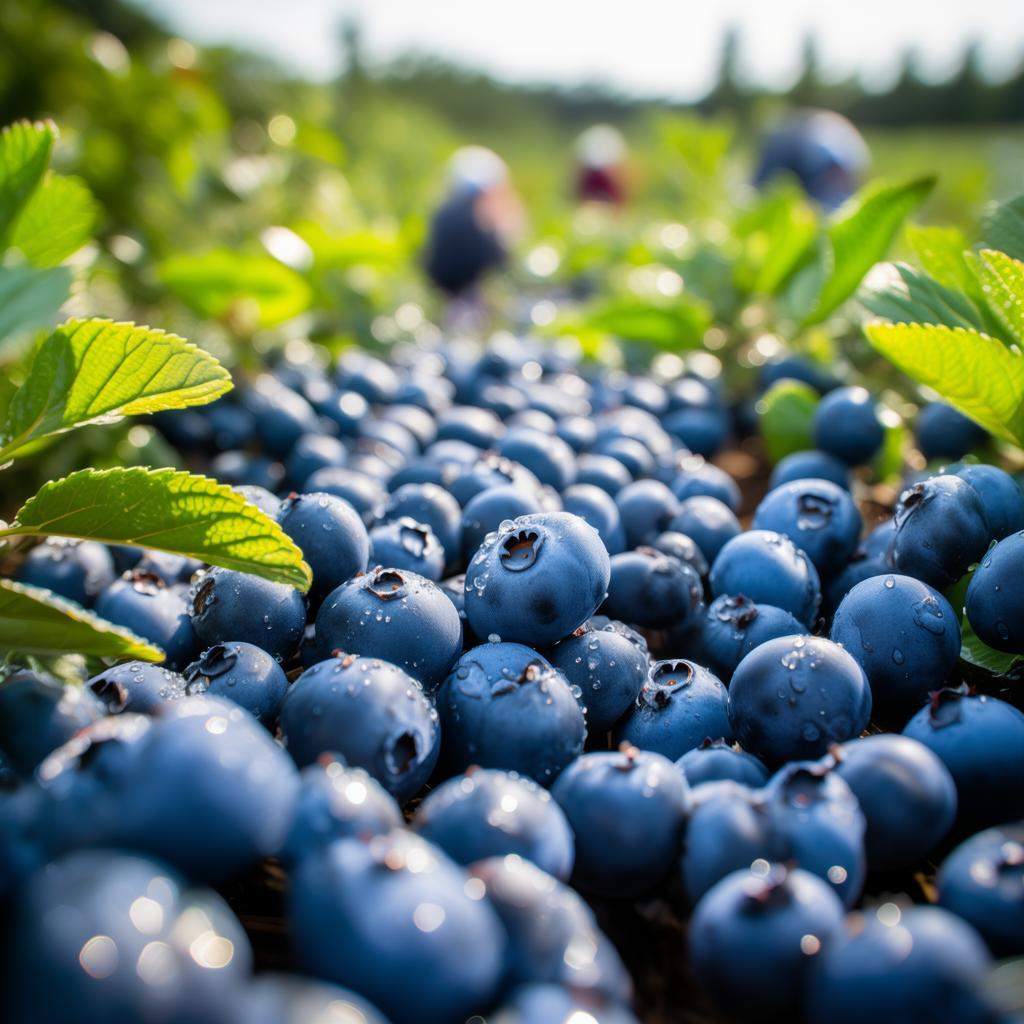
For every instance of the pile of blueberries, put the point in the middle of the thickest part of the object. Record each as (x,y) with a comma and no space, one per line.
(542,669)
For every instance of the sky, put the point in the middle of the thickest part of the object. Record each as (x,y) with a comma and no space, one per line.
(643,47)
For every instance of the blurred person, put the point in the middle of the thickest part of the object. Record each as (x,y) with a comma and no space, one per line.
(821,149)
(478,220)
(601,166)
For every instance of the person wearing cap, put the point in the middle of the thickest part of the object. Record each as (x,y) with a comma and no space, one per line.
(601,166)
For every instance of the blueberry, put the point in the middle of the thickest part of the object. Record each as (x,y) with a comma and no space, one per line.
(943,432)
(793,696)
(395,615)
(634,456)
(940,530)
(491,470)
(734,626)
(313,452)
(612,797)
(105,936)
(1002,500)
(754,937)
(702,431)
(904,634)
(241,673)
(360,911)
(393,435)
(38,714)
(336,801)
(234,810)
(847,425)
(679,707)
(345,409)
(810,465)
(78,570)
(478,427)
(368,711)
(818,516)
(902,964)
(768,568)
(419,422)
(362,492)
(548,926)
(906,793)
(684,548)
(331,535)
(609,668)
(231,426)
(504,706)
(486,511)
(282,416)
(995,605)
(241,608)
(408,546)
(860,568)
(488,813)
(549,458)
(170,568)
(649,588)
(427,503)
(240,469)
(602,471)
(537,579)
(646,508)
(144,604)
(136,687)
(599,509)
(801,368)
(710,523)
(700,478)
(982,881)
(366,375)
(981,741)
(577,431)
(291,999)
(552,1004)
(718,761)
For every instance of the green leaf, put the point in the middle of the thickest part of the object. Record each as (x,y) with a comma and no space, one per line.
(861,235)
(975,373)
(678,323)
(904,295)
(888,464)
(166,509)
(31,298)
(249,290)
(1003,227)
(58,220)
(786,413)
(941,252)
(24,156)
(1002,282)
(35,621)
(91,371)
(775,234)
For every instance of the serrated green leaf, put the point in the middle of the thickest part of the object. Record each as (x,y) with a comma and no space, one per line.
(248,289)
(786,413)
(860,236)
(972,649)
(166,509)
(35,621)
(24,156)
(1002,283)
(775,234)
(58,220)
(1003,227)
(90,371)
(977,374)
(941,252)
(31,298)
(902,294)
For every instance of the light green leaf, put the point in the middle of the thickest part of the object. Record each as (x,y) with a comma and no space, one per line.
(58,220)
(24,156)
(1002,282)
(35,621)
(975,373)
(678,323)
(889,463)
(166,509)
(31,298)
(904,295)
(90,371)
(786,413)
(1003,228)
(861,235)
(941,252)
(775,235)
(249,290)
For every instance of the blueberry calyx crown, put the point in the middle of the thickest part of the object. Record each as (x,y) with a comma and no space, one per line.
(387,584)
(768,892)
(214,661)
(804,786)
(944,707)
(814,511)
(627,759)
(666,677)
(737,609)
(403,751)
(144,581)
(415,537)
(520,550)
(113,694)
